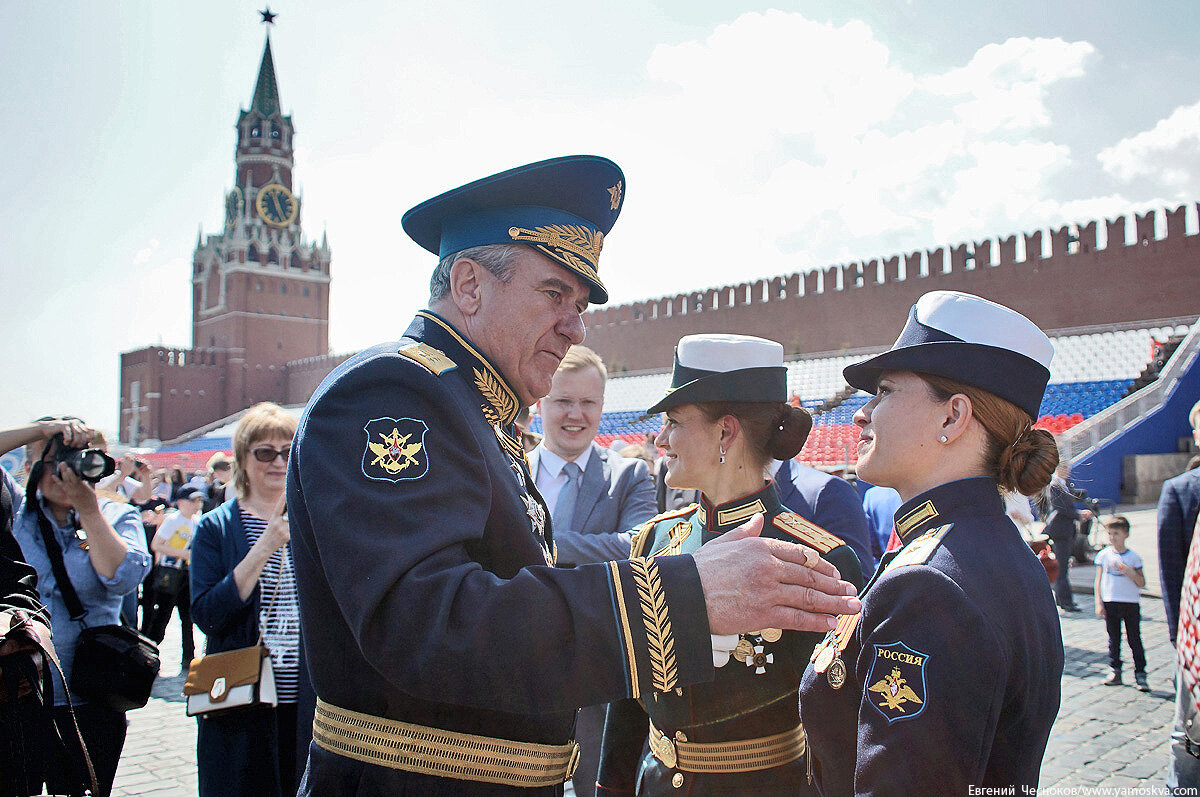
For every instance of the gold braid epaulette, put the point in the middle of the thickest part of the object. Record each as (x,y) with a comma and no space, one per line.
(636,547)
(434,360)
(808,533)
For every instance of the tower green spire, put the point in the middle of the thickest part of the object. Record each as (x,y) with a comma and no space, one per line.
(266,90)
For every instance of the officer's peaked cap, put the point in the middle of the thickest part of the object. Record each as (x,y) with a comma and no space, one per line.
(725,368)
(971,340)
(563,207)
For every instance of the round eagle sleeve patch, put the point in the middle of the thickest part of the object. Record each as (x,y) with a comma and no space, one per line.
(896,681)
(395,450)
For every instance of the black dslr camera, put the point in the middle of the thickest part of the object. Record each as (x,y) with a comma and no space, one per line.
(89,464)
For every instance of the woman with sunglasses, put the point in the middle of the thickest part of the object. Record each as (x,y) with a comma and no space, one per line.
(949,679)
(243,582)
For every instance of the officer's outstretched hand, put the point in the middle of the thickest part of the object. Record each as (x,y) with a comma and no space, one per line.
(751,583)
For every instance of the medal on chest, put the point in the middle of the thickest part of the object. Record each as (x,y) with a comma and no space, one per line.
(827,656)
(752,649)
(533,508)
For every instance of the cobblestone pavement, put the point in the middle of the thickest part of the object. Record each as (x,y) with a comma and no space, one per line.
(1104,737)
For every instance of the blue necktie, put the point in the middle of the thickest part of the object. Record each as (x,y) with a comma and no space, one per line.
(564,507)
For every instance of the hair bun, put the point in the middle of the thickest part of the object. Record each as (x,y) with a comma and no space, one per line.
(1029,463)
(791,432)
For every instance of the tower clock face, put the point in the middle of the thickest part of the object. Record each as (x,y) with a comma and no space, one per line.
(276,205)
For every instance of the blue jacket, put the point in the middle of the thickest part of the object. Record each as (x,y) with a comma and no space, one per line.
(1178,506)
(217,546)
(946,679)
(830,502)
(423,554)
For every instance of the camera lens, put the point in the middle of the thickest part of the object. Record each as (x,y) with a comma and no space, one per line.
(90,464)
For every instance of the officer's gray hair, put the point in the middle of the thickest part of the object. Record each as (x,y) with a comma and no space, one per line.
(498,259)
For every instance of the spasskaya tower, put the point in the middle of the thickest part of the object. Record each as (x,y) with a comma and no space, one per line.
(260,290)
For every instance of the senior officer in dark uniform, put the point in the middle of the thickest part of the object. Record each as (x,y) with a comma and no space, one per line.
(727,421)
(447,654)
(950,676)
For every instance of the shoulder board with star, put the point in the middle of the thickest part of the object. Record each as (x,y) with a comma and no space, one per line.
(433,360)
(808,533)
(647,529)
(920,550)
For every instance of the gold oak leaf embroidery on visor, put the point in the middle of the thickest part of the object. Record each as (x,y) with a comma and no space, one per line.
(500,404)
(658,624)
(572,242)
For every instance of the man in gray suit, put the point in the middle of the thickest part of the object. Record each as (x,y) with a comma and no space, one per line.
(606,495)
(596,497)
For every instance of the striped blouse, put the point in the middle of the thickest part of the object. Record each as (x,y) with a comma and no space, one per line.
(278,612)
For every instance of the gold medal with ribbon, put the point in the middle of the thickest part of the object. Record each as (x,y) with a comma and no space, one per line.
(826,657)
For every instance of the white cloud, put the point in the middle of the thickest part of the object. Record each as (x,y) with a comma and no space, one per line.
(1168,152)
(798,144)
(143,255)
(1004,85)
(776,73)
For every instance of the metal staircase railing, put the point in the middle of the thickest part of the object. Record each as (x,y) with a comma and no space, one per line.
(1083,439)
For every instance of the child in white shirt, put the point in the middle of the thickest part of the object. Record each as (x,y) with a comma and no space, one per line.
(1119,581)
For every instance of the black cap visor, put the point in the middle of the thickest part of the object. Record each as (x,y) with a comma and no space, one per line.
(1003,372)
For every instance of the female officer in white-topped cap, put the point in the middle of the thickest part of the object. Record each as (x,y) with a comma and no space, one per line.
(726,420)
(950,679)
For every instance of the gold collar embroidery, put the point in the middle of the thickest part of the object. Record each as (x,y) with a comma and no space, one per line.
(500,402)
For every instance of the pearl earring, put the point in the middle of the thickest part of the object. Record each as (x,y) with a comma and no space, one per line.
(722,456)
(944,439)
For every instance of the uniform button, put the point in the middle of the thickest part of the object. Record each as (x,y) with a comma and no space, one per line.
(677,780)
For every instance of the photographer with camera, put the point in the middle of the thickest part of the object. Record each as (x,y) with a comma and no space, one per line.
(101,548)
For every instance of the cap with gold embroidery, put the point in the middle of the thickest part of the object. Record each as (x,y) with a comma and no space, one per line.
(563,207)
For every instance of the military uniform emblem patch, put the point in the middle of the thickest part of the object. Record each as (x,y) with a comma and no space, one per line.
(395,450)
(897,681)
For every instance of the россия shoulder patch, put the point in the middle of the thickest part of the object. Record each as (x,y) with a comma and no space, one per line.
(896,681)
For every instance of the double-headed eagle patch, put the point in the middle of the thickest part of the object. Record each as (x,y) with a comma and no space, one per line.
(899,692)
(395,450)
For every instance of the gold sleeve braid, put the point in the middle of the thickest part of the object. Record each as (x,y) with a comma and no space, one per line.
(657,622)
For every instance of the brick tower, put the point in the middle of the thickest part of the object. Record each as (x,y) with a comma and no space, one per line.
(260,292)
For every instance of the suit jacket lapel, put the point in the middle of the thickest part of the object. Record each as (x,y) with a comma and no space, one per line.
(535,459)
(595,476)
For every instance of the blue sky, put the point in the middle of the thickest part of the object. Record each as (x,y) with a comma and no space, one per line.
(757,140)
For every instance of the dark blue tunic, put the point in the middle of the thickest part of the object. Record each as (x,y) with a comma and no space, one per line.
(421,549)
(953,670)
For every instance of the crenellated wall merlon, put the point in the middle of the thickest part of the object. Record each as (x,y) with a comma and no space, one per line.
(1066,243)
